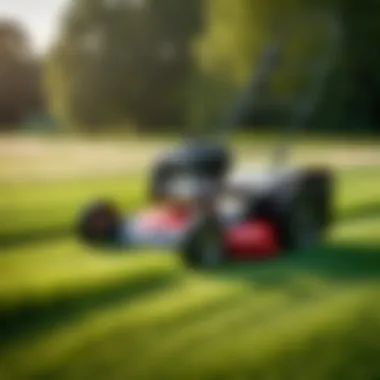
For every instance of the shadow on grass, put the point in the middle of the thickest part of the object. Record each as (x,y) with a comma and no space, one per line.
(23,238)
(31,318)
(367,211)
(338,263)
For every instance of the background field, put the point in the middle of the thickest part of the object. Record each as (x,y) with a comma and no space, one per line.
(71,313)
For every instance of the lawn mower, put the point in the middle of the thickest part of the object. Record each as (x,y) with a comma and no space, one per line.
(211,214)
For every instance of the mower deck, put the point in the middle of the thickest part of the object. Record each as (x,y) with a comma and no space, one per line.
(167,227)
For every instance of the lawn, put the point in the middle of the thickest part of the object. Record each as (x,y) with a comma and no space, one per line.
(68,312)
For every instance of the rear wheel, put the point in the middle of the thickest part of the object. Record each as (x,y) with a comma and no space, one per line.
(299,225)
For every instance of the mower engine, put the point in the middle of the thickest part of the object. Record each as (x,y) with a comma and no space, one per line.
(191,173)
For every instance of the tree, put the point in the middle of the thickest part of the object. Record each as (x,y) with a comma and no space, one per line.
(166,62)
(237,34)
(120,61)
(21,90)
(238,29)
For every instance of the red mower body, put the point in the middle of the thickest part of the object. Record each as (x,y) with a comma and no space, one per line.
(247,240)
(256,239)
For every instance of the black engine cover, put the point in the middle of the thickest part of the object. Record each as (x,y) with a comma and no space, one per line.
(205,160)
(198,157)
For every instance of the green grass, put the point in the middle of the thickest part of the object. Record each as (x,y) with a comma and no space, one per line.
(69,312)
(34,211)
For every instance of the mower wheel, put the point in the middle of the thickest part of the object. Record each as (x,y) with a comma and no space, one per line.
(204,245)
(298,223)
(99,223)
(300,207)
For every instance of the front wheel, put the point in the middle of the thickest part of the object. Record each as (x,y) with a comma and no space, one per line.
(99,223)
(204,245)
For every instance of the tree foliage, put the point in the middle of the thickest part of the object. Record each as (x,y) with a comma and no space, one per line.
(21,93)
(158,63)
(124,61)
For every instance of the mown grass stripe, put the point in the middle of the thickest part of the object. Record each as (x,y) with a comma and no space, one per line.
(41,274)
(254,350)
(45,353)
(164,348)
(29,319)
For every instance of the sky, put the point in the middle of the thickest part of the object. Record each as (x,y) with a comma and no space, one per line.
(39,17)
